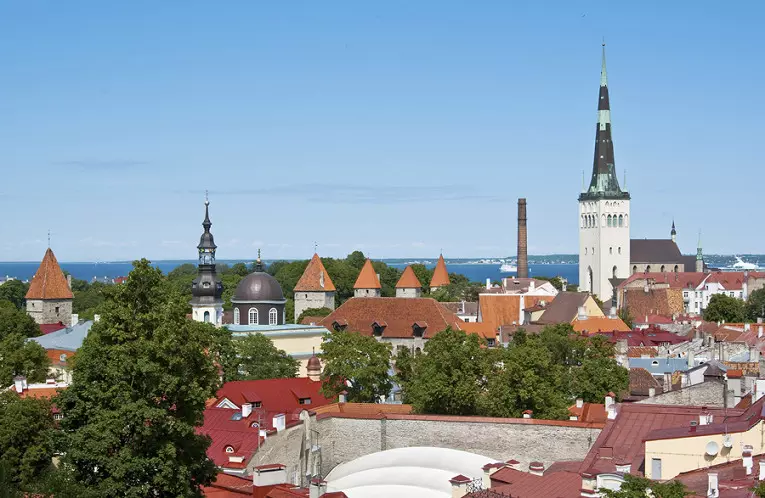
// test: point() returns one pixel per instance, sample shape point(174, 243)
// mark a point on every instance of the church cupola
point(673, 233)
point(207, 288)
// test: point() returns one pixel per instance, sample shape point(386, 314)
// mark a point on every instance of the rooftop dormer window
point(229, 449)
point(418, 329)
point(378, 327)
point(305, 401)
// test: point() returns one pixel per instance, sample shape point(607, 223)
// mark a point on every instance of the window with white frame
point(272, 316)
point(236, 316)
point(253, 316)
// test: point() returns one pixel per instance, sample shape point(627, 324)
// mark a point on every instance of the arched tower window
point(272, 316)
point(207, 317)
point(621, 220)
point(648, 269)
point(609, 220)
point(634, 269)
point(662, 269)
point(253, 316)
point(676, 268)
point(613, 272)
point(236, 316)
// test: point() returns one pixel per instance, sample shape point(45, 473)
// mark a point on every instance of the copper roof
point(311, 280)
point(408, 280)
point(440, 275)
point(367, 277)
point(49, 282)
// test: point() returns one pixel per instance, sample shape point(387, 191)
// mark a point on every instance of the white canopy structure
point(419, 472)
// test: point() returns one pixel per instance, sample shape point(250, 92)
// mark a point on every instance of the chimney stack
point(523, 256)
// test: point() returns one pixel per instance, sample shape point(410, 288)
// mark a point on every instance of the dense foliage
point(258, 358)
point(723, 308)
point(356, 364)
point(17, 355)
point(14, 292)
point(640, 487)
point(140, 382)
point(543, 373)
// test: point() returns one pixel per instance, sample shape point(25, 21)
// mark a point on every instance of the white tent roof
point(405, 472)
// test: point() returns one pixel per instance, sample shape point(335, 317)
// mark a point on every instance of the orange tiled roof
point(311, 279)
point(640, 351)
point(483, 329)
point(367, 277)
point(49, 282)
point(55, 356)
point(440, 275)
point(593, 325)
point(408, 280)
point(505, 309)
point(339, 409)
point(589, 412)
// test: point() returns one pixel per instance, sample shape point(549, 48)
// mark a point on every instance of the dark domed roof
point(314, 363)
point(258, 286)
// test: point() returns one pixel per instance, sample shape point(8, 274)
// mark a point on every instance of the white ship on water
point(508, 267)
point(741, 265)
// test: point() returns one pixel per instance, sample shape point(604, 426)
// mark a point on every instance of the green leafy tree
point(140, 383)
point(258, 358)
point(626, 317)
point(755, 305)
point(640, 487)
point(599, 373)
point(404, 365)
point(723, 308)
point(14, 291)
point(423, 274)
point(14, 321)
point(313, 312)
point(356, 260)
point(555, 281)
point(88, 297)
point(25, 430)
point(21, 357)
point(448, 378)
point(759, 490)
point(240, 269)
point(357, 364)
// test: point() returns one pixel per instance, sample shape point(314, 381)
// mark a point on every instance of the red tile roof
point(367, 277)
point(56, 355)
point(641, 381)
point(589, 412)
point(680, 280)
point(642, 351)
point(505, 309)
point(440, 275)
point(408, 280)
point(275, 395)
point(224, 430)
point(358, 314)
point(519, 484)
point(732, 480)
point(49, 282)
point(362, 409)
point(47, 328)
point(622, 438)
point(228, 486)
point(311, 279)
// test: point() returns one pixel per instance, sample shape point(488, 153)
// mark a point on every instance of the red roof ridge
point(367, 277)
point(49, 281)
point(440, 275)
point(408, 280)
point(311, 280)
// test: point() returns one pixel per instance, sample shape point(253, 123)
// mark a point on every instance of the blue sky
point(397, 127)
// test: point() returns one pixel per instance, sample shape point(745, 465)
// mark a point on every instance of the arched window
point(236, 316)
point(634, 269)
point(620, 250)
point(253, 316)
point(609, 220)
point(585, 251)
point(676, 268)
point(610, 250)
point(613, 272)
point(648, 269)
point(272, 316)
point(593, 251)
point(662, 269)
point(621, 220)
point(229, 449)
point(207, 317)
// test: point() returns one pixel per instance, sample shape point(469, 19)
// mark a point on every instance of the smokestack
point(523, 256)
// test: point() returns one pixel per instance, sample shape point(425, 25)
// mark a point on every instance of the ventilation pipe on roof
point(746, 327)
point(18, 383)
point(746, 459)
point(712, 489)
point(536, 468)
point(610, 406)
point(579, 403)
point(527, 414)
point(651, 392)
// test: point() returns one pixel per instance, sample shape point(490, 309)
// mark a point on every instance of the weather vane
point(49, 238)
point(207, 198)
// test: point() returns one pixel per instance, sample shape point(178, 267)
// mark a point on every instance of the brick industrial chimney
point(523, 255)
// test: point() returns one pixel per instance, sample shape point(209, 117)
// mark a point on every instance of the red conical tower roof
point(367, 277)
point(440, 275)
point(408, 280)
point(314, 276)
point(49, 282)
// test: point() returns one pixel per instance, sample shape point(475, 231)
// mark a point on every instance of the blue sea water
point(476, 272)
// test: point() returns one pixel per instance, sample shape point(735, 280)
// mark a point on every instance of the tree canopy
point(15, 321)
point(357, 364)
point(723, 308)
point(258, 358)
point(140, 382)
point(640, 487)
point(14, 291)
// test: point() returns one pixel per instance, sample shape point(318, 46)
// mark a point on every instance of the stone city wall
point(710, 393)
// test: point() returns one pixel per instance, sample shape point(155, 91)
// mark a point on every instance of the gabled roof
point(49, 282)
point(641, 381)
point(595, 324)
point(358, 314)
point(505, 309)
point(225, 429)
point(314, 275)
point(440, 275)
point(564, 307)
point(680, 280)
point(275, 395)
point(367, 277)
point(518, 484)
point(68, 339)
point(408, 280)
point(589, 412)
point(654, 251)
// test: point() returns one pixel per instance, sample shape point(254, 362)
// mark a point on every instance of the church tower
point(604, 211)
point(207, 289)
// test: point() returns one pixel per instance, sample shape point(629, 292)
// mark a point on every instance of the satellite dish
point(712, 448)
point(728, 441)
